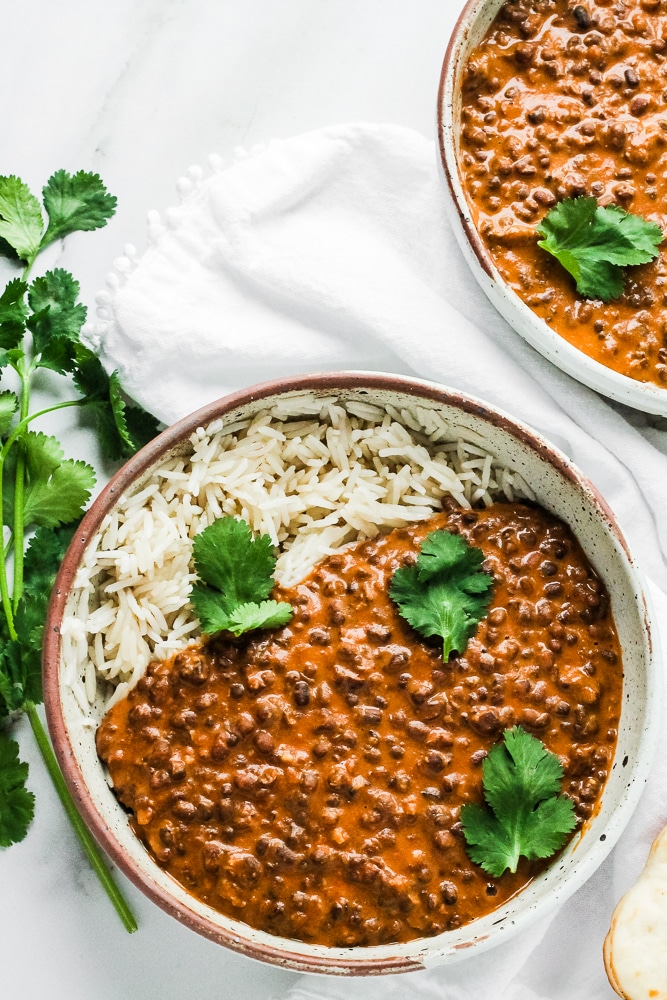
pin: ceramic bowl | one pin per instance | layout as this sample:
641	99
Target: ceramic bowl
470	28
560	488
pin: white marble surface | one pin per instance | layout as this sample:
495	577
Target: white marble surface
139	90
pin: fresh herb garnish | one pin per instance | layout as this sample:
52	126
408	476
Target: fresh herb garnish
594	244
17	804
42	491
237	571
445	593
527	815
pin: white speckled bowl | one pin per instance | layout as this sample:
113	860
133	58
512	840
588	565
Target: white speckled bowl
469	31
560	488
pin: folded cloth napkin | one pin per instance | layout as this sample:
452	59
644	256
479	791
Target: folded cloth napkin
333	250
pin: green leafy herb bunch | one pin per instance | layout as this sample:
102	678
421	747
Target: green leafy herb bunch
42	493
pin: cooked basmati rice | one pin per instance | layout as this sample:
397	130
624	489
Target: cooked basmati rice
313	474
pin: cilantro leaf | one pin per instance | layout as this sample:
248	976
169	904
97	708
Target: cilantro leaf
17	804
211	608
9	404
79	202
6	694
92	380
636	239
141	425
57	354
227	557
122	428
134	426
117	404
139	428
266	614
43	556
214	617
594	244
21	666
89	376
21	660
59	497
21	222
56	488
13	314
12	677
12	357
239	571
56	320
527	815
440	551
445	593
9	252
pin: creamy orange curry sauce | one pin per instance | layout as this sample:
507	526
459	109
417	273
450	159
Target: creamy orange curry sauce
563	99
308	781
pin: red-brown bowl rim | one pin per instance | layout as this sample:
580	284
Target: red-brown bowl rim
470	230
133	469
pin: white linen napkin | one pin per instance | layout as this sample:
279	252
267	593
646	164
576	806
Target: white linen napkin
332	250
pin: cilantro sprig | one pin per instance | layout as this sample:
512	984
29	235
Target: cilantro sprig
526	815
79	202
595	243
445	593
42	492
237	573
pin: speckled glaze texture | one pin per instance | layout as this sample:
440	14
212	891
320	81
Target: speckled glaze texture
560	488
471	26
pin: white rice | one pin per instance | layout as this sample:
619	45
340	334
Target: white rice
313	474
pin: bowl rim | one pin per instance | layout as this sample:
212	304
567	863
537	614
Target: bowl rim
645	396
140	463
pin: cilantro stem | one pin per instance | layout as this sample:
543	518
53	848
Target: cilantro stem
19	484
4	589
21	426
89	845
514	851
9	606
